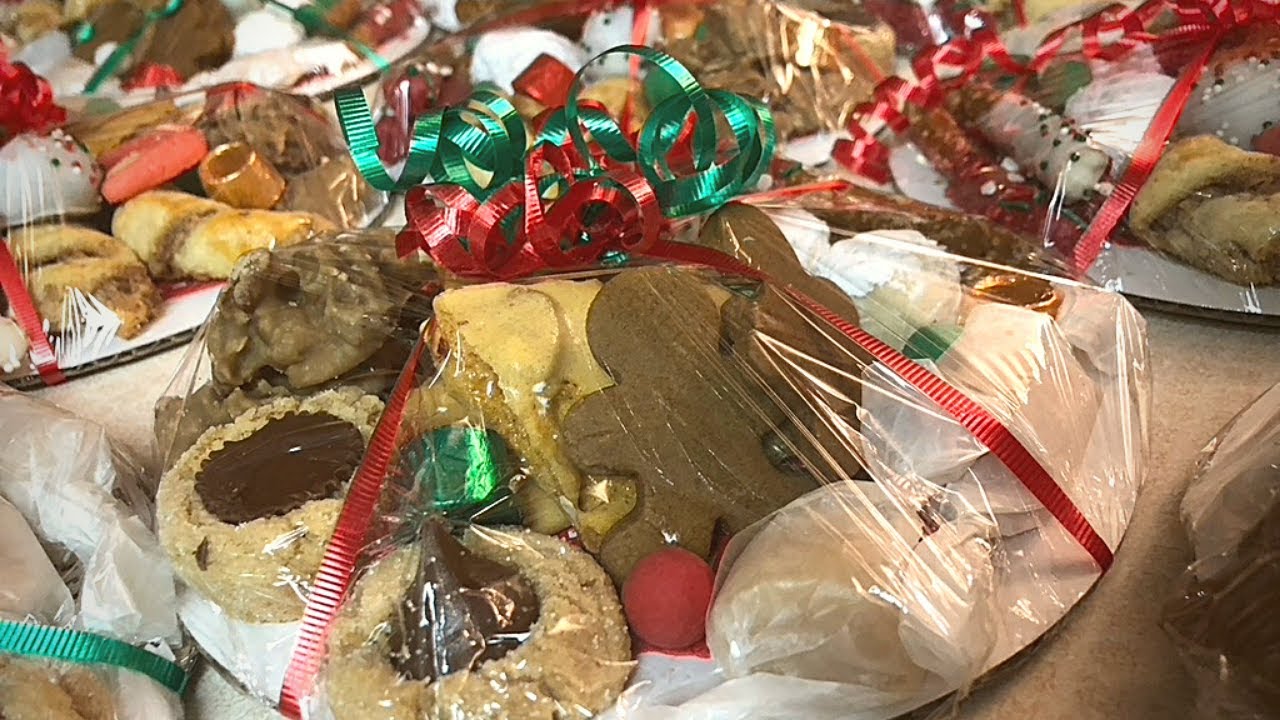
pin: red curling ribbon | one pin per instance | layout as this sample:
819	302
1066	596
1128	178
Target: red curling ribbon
547	80
26	102
28	318
1108	34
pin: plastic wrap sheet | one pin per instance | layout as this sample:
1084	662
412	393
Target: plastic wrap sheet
811	61
133	50
1139	142
659	491
1224	618
120	226
261	429
78	553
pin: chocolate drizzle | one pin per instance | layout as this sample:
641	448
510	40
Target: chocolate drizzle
285	464
461	610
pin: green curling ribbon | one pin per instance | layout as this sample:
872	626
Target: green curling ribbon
122	51
50	643
487	134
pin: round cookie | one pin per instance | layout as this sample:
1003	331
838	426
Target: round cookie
36	690
244	514
574	662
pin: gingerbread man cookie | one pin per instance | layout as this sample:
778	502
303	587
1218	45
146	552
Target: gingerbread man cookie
683	424
814	368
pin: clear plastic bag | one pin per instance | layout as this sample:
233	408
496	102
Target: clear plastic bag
1137	142
305	342
78	553
1224	618
134	51
121	225
658	491
811	61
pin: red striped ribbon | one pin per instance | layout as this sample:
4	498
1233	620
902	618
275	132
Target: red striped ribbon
337	568
28	318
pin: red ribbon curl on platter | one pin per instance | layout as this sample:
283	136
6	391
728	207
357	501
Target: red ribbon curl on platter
1109	34
602	205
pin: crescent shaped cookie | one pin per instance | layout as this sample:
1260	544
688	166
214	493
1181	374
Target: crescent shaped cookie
77	275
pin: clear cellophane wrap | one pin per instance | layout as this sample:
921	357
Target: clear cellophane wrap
657	490
1223	618
119	224
296	358
1140	143
81	568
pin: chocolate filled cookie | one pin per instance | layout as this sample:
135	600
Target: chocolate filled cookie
509	624
246	511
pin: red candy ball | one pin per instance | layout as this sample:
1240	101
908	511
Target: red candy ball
666	598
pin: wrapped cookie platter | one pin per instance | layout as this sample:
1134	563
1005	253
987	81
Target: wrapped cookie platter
790	457
134	50
810	61
121	226
1141	145
88	621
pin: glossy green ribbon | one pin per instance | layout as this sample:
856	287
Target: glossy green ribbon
122	51
50	643
488	135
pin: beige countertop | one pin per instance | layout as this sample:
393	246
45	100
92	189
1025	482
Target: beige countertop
1108	659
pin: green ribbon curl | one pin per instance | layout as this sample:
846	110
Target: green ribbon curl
50	643
487	134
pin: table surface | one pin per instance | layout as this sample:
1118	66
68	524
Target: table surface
1108	659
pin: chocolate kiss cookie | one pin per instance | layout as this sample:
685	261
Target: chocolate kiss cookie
462	609
683	421
524	626
815	369
245	512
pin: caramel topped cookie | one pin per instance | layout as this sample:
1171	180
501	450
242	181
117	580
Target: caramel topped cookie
245	512
308	315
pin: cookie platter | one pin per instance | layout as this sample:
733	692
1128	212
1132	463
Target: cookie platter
131	51
579	470
122	227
